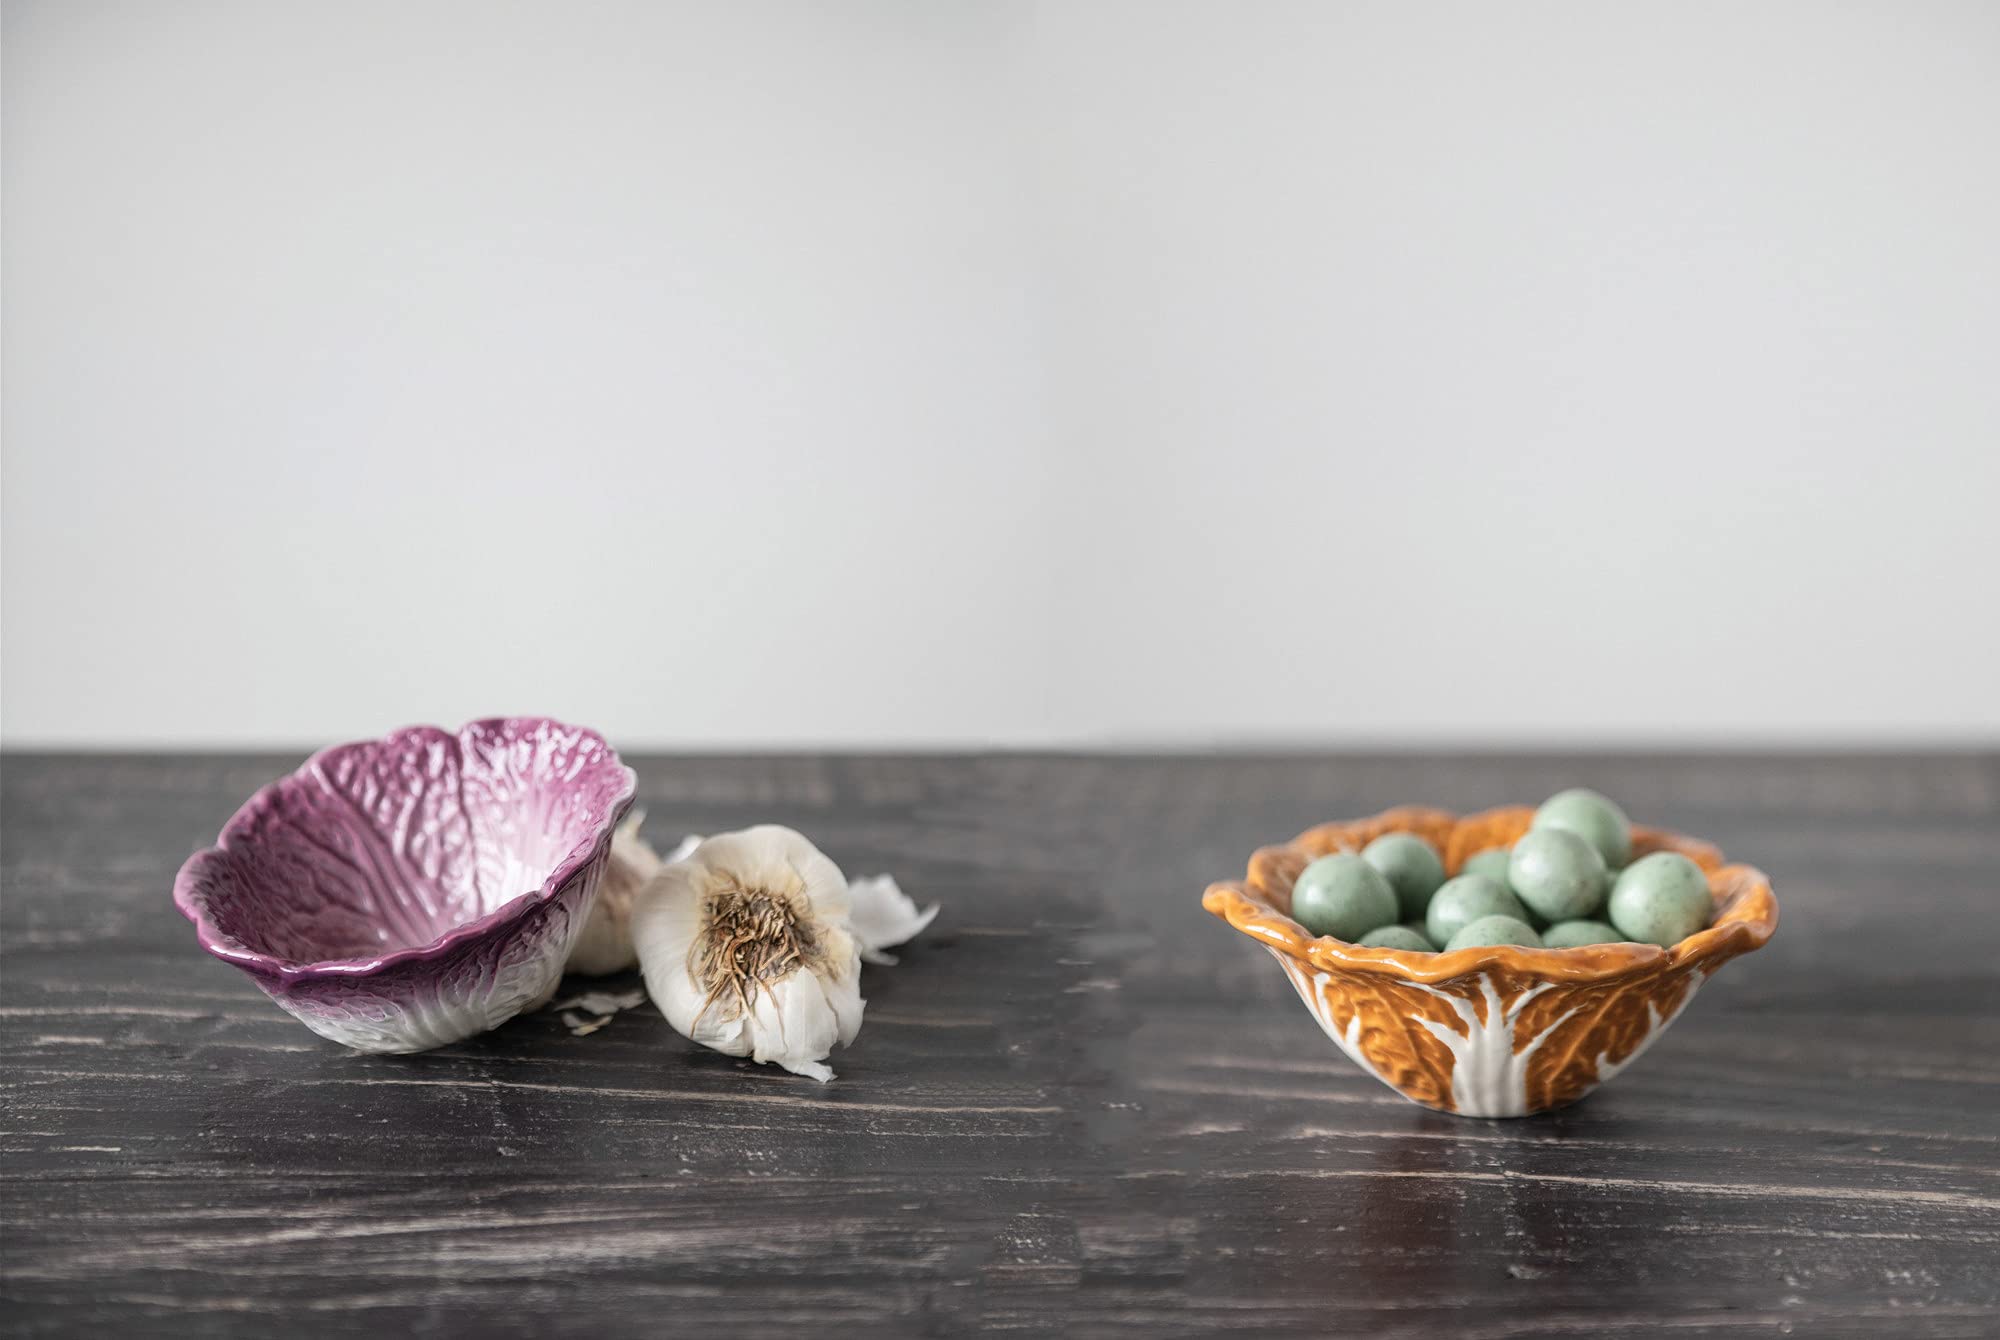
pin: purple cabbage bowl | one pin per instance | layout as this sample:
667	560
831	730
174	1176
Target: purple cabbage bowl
404	893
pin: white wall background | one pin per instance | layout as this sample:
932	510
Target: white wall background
1001	373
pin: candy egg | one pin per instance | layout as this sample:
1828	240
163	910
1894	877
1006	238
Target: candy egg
1342	896
1660	899
1464	900
1492	863
1591	817
1396	937
1557	873
1494	931
1412	867
1576	934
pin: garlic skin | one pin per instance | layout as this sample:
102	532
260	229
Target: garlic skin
745	948
882	916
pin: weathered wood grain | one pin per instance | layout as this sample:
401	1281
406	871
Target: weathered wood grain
1080	1106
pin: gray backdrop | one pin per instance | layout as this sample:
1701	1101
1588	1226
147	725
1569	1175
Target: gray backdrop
1002	373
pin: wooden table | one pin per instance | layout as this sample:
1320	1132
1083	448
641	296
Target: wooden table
1080	1105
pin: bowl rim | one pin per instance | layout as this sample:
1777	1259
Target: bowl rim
1746	918
193	903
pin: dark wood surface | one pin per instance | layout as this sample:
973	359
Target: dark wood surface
1080	1106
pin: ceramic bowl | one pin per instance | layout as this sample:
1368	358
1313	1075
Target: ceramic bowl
1496	1031
404	893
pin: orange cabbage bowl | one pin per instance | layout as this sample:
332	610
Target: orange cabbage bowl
1498	1030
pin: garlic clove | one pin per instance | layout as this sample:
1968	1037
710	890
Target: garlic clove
802	1018
745	948
882	916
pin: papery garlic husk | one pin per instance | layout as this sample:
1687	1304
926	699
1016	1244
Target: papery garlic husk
882	916
605	944
745	948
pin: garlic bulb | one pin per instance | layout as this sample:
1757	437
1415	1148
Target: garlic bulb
882	916
745	948
605	943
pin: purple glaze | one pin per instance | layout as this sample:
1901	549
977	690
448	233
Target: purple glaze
403	893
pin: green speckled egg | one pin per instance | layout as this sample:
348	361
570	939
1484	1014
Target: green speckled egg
1591	817
1660	899
1495	931
1396	937
1492	863
1342	896
1464	900
1576	934
1557	873
1412	867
